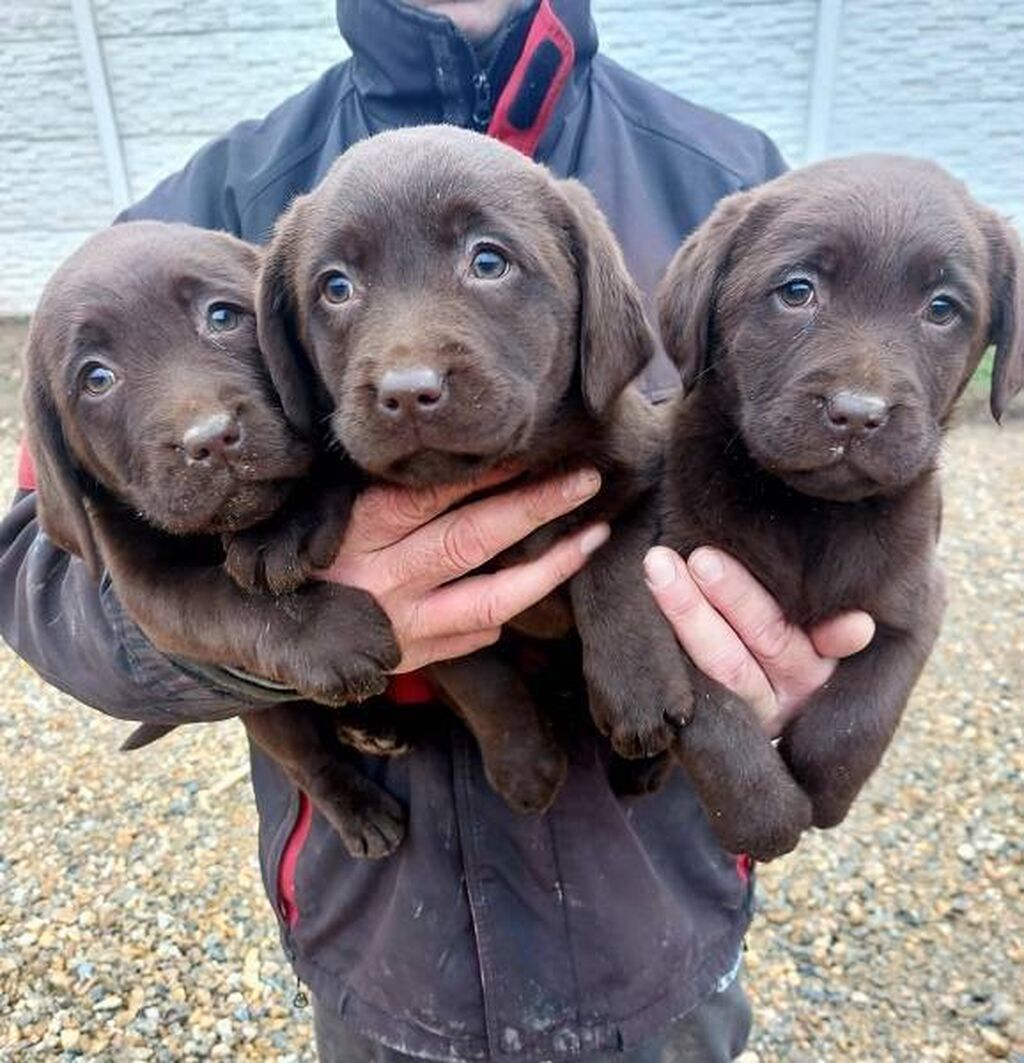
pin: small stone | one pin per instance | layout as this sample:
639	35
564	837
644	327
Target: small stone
69	1038
995	1043
109	1003
251	970
966	852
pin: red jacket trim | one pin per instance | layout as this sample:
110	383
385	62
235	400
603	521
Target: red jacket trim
26	468
532	68
286	903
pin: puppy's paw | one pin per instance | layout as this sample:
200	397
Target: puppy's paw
383	741
767	823
642	713
527	775
370	821
339	679
826	780
269	557
243	560
342	646
635	778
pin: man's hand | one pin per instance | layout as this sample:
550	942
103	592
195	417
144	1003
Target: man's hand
412	552
735	633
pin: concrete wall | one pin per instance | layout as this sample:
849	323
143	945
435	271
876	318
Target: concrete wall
930	77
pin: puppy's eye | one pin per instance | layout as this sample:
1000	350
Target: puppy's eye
97	379
488	264
222	317
797	292
336	287
942	310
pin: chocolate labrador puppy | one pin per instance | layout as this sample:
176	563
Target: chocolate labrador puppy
155	432
441	303
825	325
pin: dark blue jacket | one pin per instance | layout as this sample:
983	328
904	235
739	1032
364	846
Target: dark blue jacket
488	934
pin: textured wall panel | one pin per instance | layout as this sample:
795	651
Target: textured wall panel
751	60
43	92
940	79
144	17
29	257
51	185
931	52
188	85
49	19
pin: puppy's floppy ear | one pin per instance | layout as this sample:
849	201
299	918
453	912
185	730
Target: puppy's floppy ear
1007	328
59	494
277	319
687	293
616	342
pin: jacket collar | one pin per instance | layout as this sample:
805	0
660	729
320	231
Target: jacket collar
413	67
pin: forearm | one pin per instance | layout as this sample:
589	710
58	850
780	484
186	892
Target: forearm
76	636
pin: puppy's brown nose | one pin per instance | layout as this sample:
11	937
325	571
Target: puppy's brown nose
212	439
856	412
413	392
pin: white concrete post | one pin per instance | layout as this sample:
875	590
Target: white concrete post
102	104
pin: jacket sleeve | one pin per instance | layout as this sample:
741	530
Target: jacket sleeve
71	631
774	164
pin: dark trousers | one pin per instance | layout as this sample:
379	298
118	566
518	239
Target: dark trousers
714	1032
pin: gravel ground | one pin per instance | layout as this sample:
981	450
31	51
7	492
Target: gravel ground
133	924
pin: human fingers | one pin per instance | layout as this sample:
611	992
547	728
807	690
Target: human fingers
785	653
429	651
385	513
843	635
705	635
483	602
462	540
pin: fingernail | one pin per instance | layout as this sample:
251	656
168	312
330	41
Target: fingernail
706	565
659	567
594	538
582	485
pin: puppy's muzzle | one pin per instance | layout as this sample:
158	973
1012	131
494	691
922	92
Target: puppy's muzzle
855	413
213	439
412	393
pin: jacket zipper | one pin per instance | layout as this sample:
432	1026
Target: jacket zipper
483	105
483	101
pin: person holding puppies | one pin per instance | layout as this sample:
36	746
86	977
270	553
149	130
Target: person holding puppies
604	929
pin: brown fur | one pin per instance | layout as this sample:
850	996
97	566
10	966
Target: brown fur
826	517
531	366
120	487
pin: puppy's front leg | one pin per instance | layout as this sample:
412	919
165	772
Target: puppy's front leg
300	738
522	759
331	643
842	732
752	802
637	675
